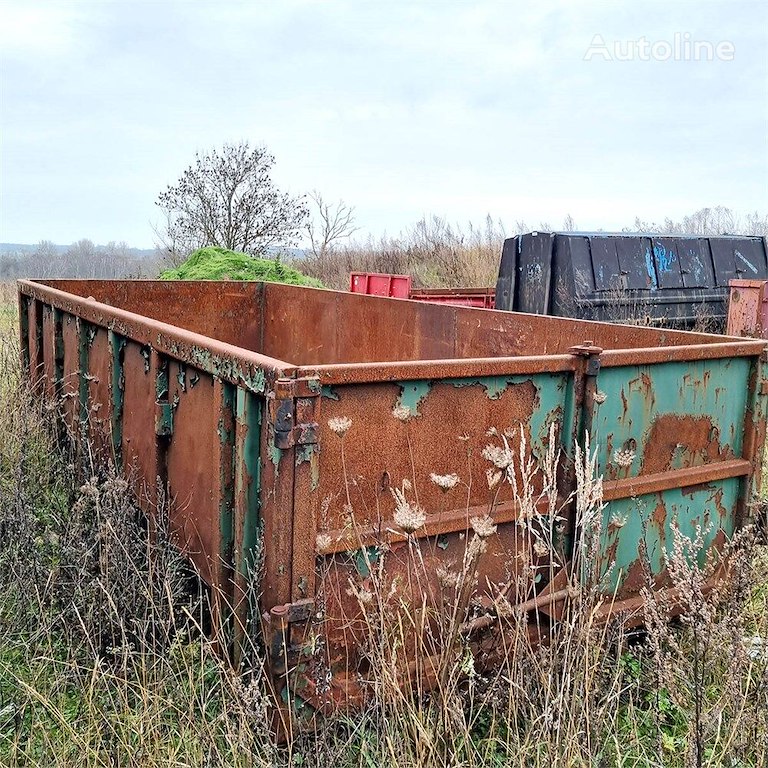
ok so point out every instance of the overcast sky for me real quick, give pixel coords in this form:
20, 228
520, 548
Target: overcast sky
402, 109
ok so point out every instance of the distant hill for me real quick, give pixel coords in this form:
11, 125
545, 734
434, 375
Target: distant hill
17, 248
137, 253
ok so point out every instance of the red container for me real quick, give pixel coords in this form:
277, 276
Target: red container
379, 284
748, 308
463, 297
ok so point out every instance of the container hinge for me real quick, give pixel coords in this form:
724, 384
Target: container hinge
297, 612
294, 411
592, 355
277, 629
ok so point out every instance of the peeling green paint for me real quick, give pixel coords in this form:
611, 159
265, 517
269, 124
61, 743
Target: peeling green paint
58, 354
226, 471
164, 415
494, 386
638, 395
275, 453
248, 413
626, 522
310, 453
84, 346
254, 379
412, 393
181, 377
329, 392
364, 558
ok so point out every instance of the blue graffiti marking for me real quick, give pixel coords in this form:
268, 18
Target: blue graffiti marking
664, 258
649, 269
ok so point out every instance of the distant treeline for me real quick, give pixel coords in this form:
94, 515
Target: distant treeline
82, 259
437, 253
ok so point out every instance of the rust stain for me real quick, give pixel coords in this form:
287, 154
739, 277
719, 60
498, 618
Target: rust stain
693, 440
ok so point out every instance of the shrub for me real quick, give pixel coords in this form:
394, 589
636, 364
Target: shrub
214, 263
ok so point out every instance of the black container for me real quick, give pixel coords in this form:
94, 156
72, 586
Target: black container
674, 280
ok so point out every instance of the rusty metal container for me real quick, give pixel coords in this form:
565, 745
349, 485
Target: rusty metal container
748, 308
380, 284
284, 421
619, 276
462, 297
399, 287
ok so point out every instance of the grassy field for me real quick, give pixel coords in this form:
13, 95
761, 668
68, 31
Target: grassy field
102, 662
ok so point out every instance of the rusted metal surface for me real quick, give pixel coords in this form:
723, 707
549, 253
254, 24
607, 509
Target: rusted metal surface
748, 308
289, 442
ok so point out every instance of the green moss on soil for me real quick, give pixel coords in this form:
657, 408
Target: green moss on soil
214, 263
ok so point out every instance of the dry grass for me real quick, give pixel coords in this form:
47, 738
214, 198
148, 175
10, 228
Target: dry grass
8, 306
435, 254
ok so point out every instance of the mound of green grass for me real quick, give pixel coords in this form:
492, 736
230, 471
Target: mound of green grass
214, 263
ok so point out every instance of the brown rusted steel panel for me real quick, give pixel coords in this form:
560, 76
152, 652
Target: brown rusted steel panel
747, 308
288, 428
138, 425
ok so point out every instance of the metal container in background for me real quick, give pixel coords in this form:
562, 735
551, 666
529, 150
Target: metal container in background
278, 420
380, 284
748, 308
646, 279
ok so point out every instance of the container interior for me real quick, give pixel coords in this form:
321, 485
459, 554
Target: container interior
309, 326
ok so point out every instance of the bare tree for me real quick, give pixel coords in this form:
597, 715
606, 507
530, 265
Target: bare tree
227, 198
329, 224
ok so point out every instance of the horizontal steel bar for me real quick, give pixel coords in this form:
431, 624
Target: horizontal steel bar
613, 358
366, 373
452, 521
677, 478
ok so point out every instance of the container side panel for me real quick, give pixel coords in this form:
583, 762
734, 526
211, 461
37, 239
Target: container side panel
276, 473
224, 310
24, 340
398, 456
738, 258
636, 263
36, 361
670, 416
70, 387
139, 438
117, 394
48, 352
192, 462
250, 551
409, 430
323, 327
666, 257
99, 414
605, 264
534, 277
643, 531
507, 279
696, 263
